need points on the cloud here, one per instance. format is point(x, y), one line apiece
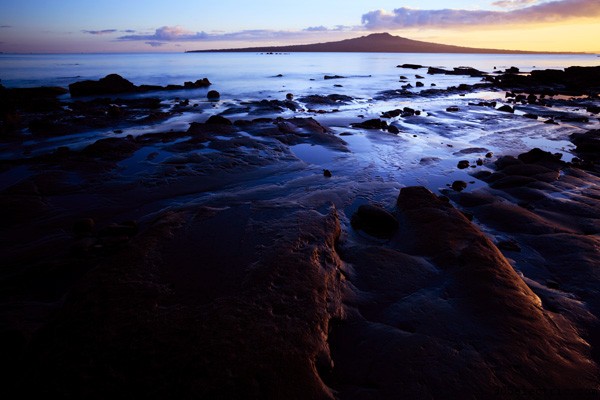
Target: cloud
point(102, 32)
point(513, 3)
point(168, 34)
point(549, 12)
point(129, 31)
point(316, 29)
point(155, 44)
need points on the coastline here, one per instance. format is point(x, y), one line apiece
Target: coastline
point(221, 260)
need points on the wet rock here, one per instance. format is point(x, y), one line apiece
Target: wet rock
point(419, 77)
point(332, 99)
point(393, 129)
point(375, 221)
point(333, 77)
point(327, 173)
point(459, 186)
point(111, 148)
point(593, 109)
point(218, 120)
point(213, 95)
point(532, 98)
point(506, 108)
point(539, 156)
point(463, 164)
point(509, 245)
point(420, 84)
point(410, 66)
point(83, 226)
point(289, 96)
point(452, 109)
point(512, 70)
point(110, 84)
point(530, 116)
point(371, 124)
point(489, 155)
point(588, 144)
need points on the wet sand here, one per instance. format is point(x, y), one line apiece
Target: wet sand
point(303, 247)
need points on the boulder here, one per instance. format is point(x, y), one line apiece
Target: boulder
point(371, 124)
point(375, 221)
point(213, 95)
point(110, 84)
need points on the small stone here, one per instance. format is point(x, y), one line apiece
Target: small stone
point(462, 164)
point(289, 96)
point(327, 173)
point(213, 95)
point(489, 155)
point(459, 186)
point(452, 109)
point(393, 129)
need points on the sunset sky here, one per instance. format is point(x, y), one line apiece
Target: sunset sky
point(159, 25)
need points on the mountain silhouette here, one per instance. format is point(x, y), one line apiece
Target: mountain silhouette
point(374, 43)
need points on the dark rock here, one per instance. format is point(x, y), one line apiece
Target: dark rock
point(539, 156)
point(489, 155)
point(419, 77)
point(551, 121)
point(509, 245)
point(463, 164)
point(333, 77)
point(375, 221)
point(588, 144)
point(124, 229)
point(593, 109)
point(459, 186)
point(420, 84)
point(289, 96)
point(327, 173)
point(213, 95)
point(218, 120)
point(410, 66)
point(532, 98)
point(506, 108)
point(512, 70)
point(452, 109)
point(530, 116)
point(393, 129)
point(83, 226)
point(110, 84)
point(371, 124)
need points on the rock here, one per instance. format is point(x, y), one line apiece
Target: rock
point(410, 66)
point(463, 164)
point(506, 108)
point(512, 70)
point(375, 221)
point(218, 120)
point(537, 156)
point(489, 155)
point(459, 186)
point(588, 144)
point(327, 173)
point(333, 77)
point(371, 124)
point(509, 245)
point(110, 84)
point(452, 109)
point(530, 116)
point(532, 98)
point(393, 129)
point(83, 226)
point(420, 84)
point(419, 77)
point(289, 96)
point(213, 95)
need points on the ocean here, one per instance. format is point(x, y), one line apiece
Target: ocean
point(246, 74)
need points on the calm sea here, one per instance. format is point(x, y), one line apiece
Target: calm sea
point(249, 74)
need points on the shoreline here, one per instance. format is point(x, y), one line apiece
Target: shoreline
point(289, 248)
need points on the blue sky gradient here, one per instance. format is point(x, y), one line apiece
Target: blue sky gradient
point(152, 25)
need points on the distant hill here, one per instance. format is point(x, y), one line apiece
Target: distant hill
point(374, 43)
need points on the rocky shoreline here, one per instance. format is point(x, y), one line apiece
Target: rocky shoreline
point(222, 261)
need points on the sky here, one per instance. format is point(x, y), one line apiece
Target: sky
point(76, 26)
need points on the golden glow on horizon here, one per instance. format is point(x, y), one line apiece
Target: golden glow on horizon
point(567, 37)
